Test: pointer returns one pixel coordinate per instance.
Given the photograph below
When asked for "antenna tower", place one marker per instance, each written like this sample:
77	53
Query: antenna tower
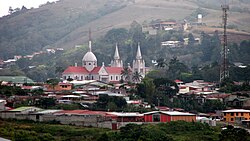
224	72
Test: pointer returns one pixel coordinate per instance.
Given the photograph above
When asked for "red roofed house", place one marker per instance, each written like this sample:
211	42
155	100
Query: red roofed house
90	71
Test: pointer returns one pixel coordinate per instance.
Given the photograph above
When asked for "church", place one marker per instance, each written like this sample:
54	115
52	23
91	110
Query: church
109	74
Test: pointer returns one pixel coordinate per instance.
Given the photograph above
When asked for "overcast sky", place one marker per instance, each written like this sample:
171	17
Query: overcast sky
5	4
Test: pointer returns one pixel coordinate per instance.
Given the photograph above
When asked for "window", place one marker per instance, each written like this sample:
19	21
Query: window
232	114
116	77
156	117
64	77
81	77
236	114
232	119
64	86
92	77
110	77
241	114
225	119
89	63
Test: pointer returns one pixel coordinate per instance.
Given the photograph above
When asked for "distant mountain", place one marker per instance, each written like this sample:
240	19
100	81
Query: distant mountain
65	23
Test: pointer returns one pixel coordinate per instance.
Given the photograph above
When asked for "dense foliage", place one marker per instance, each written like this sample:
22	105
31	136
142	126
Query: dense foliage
31	131
173	131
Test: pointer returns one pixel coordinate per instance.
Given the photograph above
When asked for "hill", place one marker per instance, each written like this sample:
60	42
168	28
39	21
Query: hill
65	23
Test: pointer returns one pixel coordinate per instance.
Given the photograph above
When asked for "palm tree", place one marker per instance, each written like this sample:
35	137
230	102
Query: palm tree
136	77
126	73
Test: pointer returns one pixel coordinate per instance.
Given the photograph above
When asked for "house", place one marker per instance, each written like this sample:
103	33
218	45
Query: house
18	113
236	115
171	44
59	87
167	116
164	25
238	101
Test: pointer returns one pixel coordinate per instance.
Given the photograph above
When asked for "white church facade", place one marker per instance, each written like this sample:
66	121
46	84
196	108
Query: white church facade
110	74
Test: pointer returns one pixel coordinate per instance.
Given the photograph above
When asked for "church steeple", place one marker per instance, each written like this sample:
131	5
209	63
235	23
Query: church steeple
89	60
90	42
117	62
138	54
116	56
139	63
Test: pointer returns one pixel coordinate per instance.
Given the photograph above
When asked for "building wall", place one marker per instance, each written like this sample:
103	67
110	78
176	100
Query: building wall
165	118
6	115
74	76
148	118
184	118
168	118
115	77
231	117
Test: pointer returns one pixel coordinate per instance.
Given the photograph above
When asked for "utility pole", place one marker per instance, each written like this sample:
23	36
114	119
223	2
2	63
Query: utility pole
224	72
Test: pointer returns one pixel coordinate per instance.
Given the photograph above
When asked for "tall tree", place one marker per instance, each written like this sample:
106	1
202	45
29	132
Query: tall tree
161	63
136	77
126	74
175	68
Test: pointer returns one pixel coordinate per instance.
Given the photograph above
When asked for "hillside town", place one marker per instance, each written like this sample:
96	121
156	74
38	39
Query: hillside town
87	85
127	70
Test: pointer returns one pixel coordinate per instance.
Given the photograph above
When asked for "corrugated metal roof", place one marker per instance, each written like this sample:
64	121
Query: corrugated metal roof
236	110
16	79
20	109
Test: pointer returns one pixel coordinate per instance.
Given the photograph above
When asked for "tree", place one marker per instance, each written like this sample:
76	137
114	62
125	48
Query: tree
234	134
161	63
176	68
191	40
53	82
136	77
46	102
126	74
11	10
147	88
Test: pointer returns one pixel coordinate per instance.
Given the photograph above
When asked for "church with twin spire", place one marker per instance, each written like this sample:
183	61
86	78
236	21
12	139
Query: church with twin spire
109	74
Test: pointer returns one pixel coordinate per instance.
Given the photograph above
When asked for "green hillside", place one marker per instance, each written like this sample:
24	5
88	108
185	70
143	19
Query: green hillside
65	23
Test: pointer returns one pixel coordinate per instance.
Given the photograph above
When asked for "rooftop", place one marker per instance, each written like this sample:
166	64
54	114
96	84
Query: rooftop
20	109
236	110
16	79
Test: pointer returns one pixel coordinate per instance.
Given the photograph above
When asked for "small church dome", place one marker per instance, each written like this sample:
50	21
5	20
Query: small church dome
89	57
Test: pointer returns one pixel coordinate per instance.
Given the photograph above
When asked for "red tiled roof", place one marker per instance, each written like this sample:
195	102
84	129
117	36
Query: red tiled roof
72	69
178	81
27	87
114	70
95	70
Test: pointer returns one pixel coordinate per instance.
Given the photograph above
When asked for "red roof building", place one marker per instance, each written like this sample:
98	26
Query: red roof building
90	71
